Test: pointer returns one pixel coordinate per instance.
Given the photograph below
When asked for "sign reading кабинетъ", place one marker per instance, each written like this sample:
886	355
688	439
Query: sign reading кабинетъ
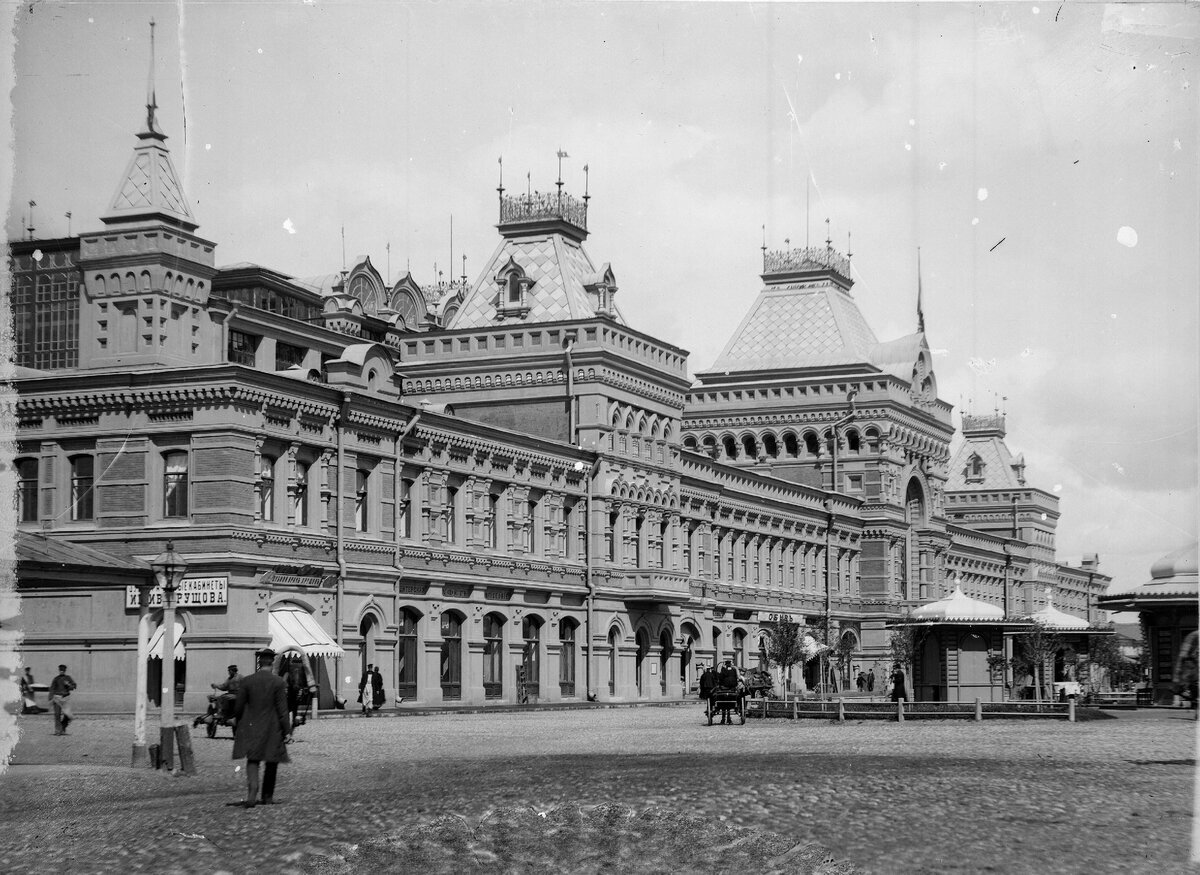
194	592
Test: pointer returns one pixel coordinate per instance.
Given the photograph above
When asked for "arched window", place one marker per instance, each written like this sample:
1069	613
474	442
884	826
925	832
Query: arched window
406	648
811	445
730	446
614	641
852	441
643	650
710	445
750	445
666	649
791	446
451	658
770	445
975	468
566	658
739	649
690	442
872	436
531	661
493	656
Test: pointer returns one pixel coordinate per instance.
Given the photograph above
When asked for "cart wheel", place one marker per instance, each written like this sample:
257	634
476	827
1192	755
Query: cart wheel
211	728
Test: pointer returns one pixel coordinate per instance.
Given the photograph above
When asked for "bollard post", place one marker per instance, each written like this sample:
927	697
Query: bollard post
899	710
978	710
1071	709
183	742
841	711
794	715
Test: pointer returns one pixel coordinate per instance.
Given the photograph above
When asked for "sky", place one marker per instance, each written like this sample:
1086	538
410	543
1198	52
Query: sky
1043	157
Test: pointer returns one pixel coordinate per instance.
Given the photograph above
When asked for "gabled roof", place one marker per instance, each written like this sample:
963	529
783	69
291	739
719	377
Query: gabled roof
559	268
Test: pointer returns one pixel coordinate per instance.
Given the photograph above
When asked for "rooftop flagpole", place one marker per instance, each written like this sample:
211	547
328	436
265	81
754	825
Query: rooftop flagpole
920	312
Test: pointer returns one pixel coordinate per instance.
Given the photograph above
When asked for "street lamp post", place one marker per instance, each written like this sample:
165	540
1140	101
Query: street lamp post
139	693
169	568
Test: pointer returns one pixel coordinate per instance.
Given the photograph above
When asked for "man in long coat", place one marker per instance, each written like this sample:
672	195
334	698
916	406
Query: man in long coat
262	715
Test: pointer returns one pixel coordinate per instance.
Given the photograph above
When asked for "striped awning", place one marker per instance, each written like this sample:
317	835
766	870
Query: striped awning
292	626
156	642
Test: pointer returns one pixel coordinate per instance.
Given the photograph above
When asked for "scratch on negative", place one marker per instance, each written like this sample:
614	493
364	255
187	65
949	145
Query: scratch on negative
998	242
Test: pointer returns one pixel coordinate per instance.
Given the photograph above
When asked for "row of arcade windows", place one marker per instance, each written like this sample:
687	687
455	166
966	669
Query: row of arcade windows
529	670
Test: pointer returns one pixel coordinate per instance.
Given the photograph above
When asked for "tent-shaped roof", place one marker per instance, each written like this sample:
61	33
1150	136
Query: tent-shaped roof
958	608
1173	579
1052	618
996	468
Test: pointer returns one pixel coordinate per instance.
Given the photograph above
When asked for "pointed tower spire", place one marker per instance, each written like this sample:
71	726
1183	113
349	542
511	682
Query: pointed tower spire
151	102
920	312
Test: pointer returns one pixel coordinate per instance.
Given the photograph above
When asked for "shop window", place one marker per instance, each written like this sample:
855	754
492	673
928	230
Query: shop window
27	490
175	484
82	487
451	656
493	656
566	658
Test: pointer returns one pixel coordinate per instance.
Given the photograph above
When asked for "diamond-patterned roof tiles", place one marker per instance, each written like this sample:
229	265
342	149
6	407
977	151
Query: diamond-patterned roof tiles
555	264
794	328
150	184
997	466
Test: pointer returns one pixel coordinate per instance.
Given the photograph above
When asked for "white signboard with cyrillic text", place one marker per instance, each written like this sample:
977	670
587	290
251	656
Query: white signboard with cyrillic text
194	592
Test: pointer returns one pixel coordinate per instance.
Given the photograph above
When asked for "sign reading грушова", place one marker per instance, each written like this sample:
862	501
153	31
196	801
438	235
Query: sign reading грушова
195	592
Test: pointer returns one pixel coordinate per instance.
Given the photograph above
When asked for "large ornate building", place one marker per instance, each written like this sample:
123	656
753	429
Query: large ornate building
491	489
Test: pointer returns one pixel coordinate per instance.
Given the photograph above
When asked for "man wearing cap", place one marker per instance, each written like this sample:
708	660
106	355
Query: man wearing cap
223	701
60	692
261	712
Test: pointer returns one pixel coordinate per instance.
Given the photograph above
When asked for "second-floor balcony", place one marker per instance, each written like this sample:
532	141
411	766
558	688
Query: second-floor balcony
653	585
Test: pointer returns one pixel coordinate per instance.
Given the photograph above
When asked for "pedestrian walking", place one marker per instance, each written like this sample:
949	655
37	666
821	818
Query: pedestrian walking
262	726
301	689
708	683
861	682
364	687
29	704
898	683
377	696
871	680
60	695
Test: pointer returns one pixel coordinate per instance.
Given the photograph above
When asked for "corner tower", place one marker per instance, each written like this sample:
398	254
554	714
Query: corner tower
147	275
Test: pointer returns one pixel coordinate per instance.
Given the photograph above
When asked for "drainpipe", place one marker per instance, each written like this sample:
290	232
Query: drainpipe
828	594
343	415
571	424
592	667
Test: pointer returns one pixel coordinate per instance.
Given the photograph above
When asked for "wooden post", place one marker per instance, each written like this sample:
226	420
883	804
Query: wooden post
183	738
899	710
978	710
841	710
1071	708
166	747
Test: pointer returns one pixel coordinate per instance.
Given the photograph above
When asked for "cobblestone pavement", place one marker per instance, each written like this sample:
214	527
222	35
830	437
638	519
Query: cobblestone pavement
1106	796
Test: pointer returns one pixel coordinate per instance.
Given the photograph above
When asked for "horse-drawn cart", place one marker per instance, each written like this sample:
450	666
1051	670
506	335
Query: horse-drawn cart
728	703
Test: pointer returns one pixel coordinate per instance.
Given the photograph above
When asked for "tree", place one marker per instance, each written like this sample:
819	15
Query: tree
785	646
843	652
903	644
1104	657
1036	646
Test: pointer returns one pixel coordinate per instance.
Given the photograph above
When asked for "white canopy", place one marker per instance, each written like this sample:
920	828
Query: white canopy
291	625
958	607
156	642
1052	618
812	647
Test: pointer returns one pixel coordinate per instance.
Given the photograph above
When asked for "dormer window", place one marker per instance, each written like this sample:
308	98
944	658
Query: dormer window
513	299
975	469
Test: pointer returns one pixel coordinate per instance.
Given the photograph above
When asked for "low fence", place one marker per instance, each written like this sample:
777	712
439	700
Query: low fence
851	709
